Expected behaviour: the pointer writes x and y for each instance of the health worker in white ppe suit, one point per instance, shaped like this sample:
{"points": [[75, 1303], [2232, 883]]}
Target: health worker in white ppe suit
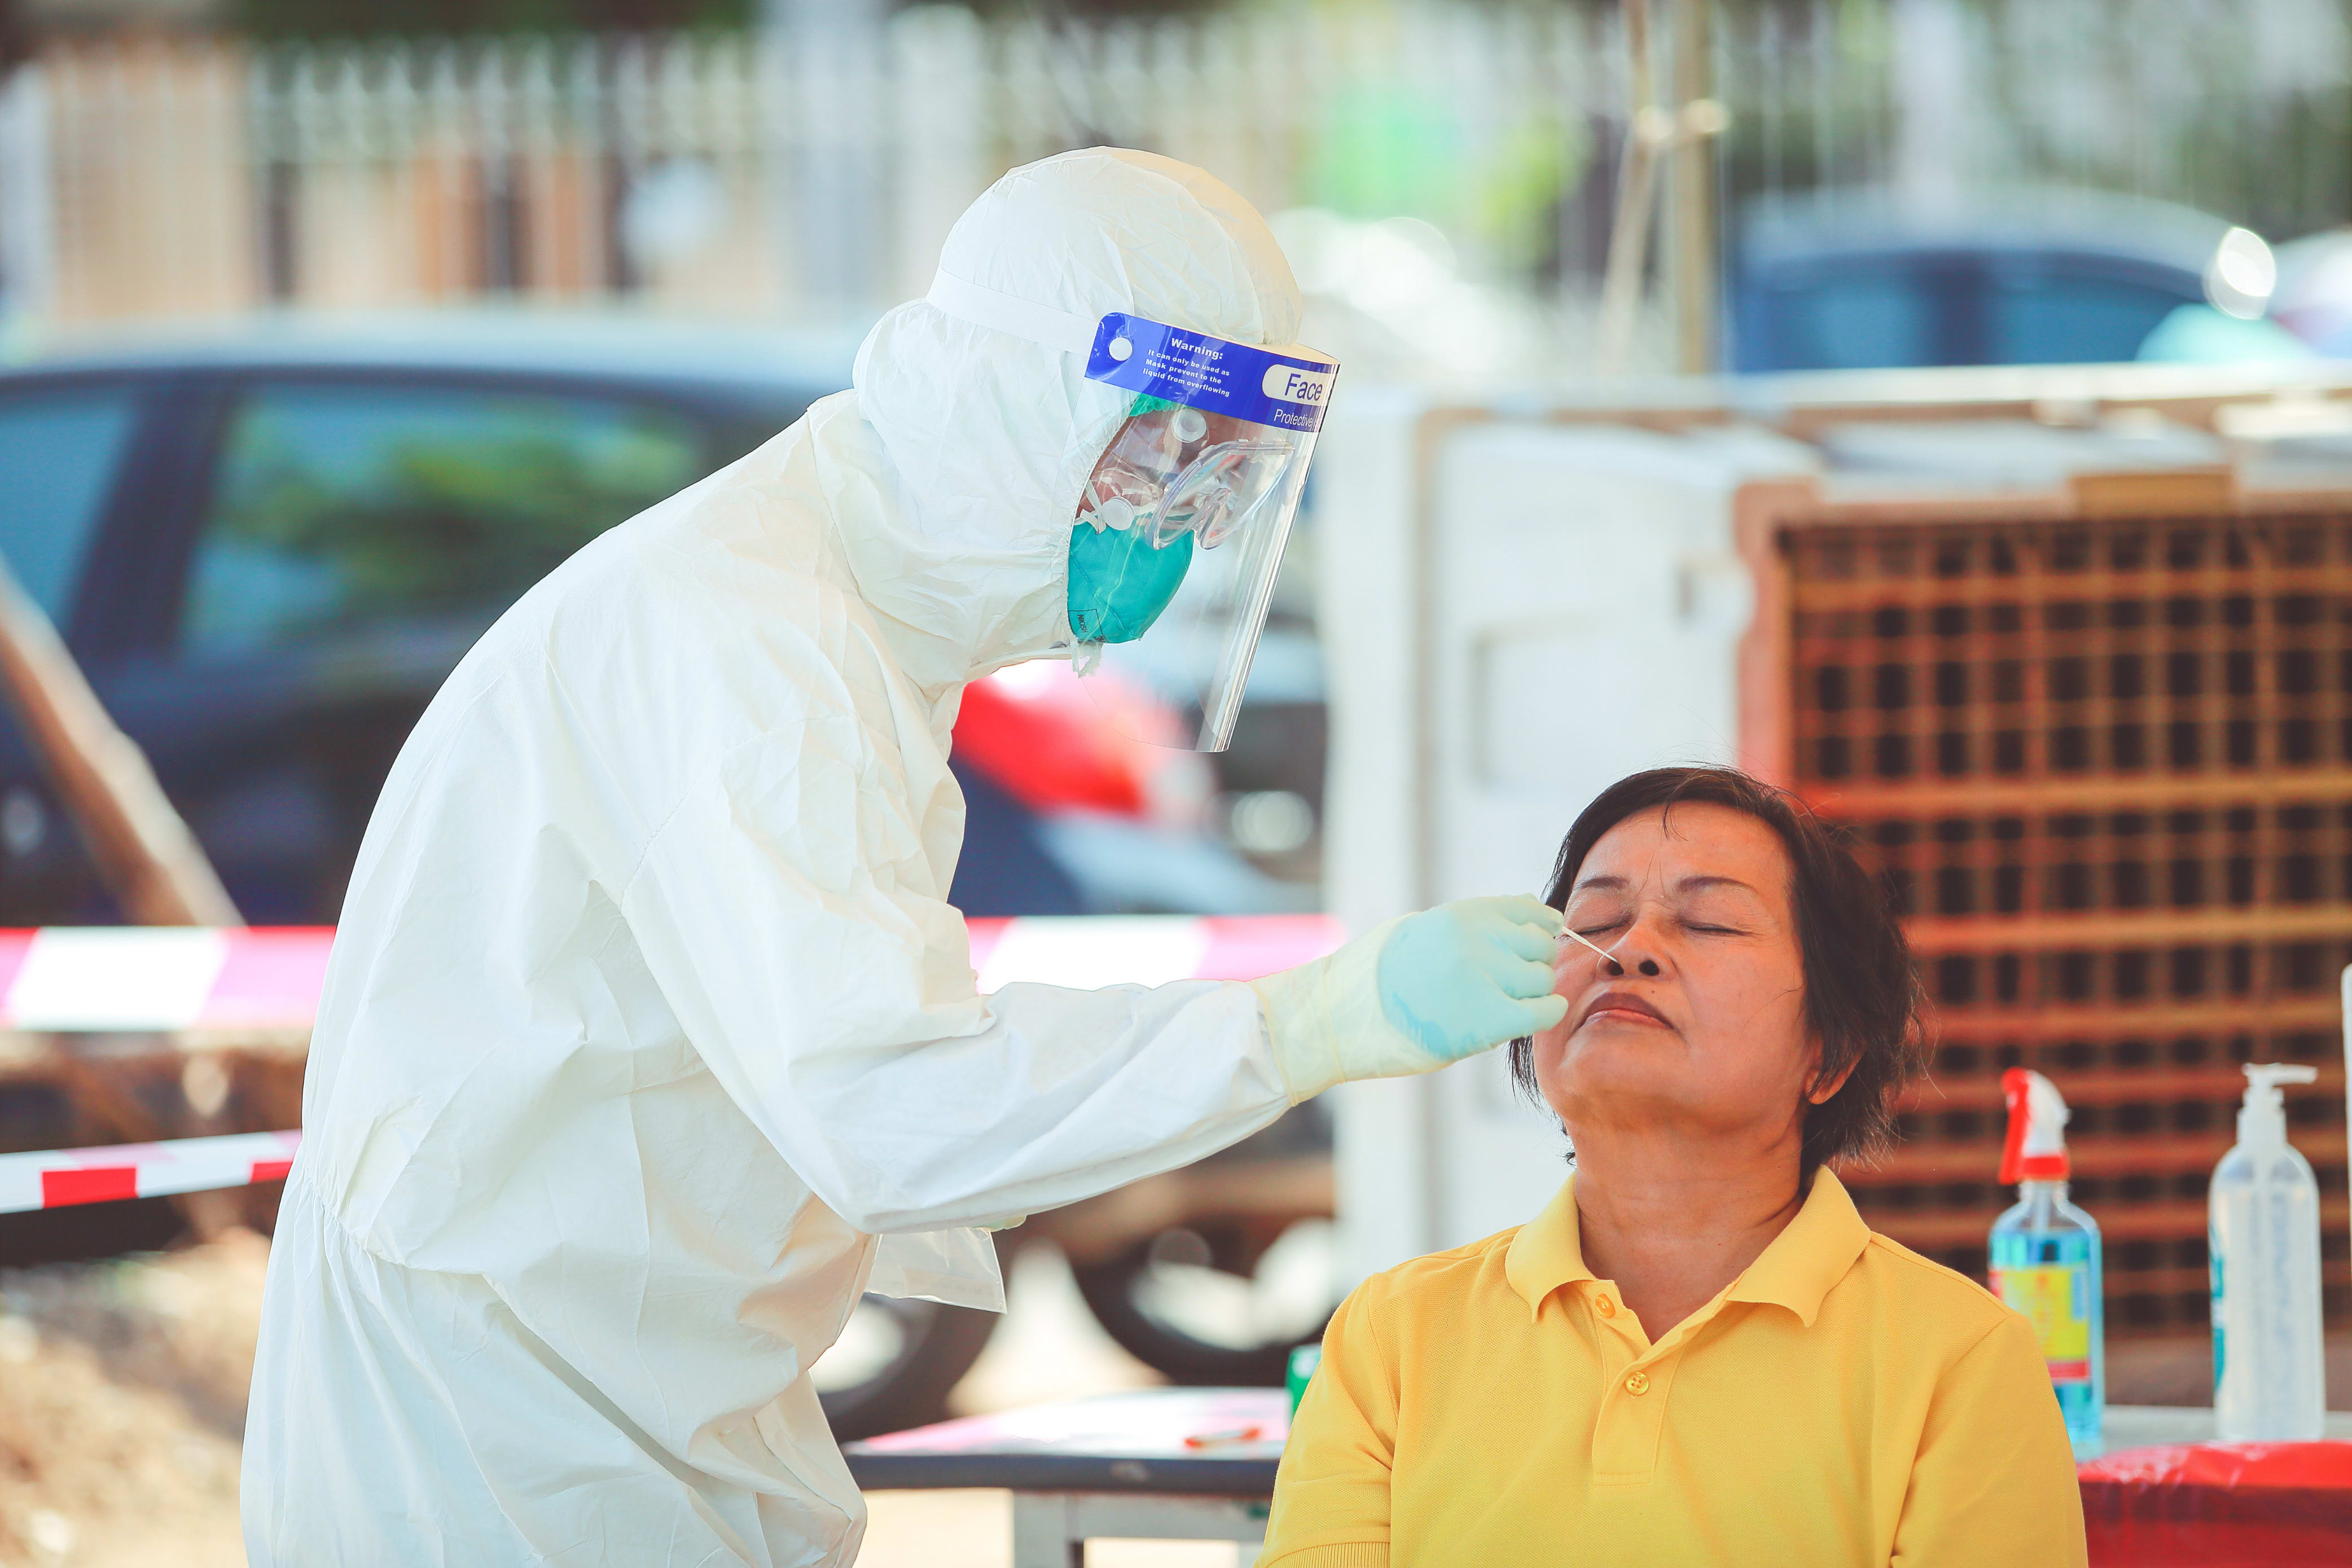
{"points": [[650, 1041]]}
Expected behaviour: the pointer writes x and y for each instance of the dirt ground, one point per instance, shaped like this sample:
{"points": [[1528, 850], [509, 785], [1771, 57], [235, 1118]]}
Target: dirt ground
{"points": [[123, 1391], [121, 1402]]}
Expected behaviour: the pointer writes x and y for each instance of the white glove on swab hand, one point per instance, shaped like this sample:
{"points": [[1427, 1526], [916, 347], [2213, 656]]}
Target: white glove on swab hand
{"points": [[1416, 994]]}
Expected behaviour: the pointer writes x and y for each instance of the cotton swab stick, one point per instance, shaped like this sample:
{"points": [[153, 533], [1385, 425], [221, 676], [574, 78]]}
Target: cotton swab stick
{"points": [[1605, 957]]}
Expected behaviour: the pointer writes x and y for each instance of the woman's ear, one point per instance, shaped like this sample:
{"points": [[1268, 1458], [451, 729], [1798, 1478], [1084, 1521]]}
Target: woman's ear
{"points": [[1819, 1088]]}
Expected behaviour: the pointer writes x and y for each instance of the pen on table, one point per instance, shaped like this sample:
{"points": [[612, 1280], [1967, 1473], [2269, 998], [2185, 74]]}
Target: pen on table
{"points": [[1234, 1435]]}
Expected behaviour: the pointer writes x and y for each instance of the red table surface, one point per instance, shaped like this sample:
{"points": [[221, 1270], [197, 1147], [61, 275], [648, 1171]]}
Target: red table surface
{"points": [[2219, 1505]]}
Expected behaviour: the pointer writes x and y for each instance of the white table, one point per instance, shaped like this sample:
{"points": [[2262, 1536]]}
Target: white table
{"points": [[1195, 1464], [1161, 1464]]}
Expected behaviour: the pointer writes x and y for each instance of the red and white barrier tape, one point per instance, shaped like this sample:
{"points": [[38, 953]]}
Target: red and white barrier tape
{"points": [[58, 1178], [140, 978]]}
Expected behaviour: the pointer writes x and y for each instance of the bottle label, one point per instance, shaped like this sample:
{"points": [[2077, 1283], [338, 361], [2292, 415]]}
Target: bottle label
{"points": [[2056, 1302], [2220, 1310]]}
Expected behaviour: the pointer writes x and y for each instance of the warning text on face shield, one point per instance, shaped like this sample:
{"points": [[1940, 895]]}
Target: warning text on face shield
{"points": [[1211, 373], [1188, 368]]}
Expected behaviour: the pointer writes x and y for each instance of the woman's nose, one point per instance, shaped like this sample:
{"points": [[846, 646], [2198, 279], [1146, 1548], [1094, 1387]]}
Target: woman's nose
{"points": [[1634, 952]]}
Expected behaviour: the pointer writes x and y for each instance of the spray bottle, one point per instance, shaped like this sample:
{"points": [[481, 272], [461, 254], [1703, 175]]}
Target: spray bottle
{"points": [[2045, 1256], [2269, 1377]]}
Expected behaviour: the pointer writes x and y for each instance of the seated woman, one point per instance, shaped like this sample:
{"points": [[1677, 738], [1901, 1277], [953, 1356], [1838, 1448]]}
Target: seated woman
{"points": [[1697, 1352]]}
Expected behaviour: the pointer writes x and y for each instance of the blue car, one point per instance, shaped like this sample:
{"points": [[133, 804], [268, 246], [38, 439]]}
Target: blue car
{"points": [[267, 548], [1858, 280]]}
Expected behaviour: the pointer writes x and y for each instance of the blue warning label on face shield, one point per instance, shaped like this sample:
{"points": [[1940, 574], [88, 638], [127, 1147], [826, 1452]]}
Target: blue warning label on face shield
{"points": [[1213, 375]]}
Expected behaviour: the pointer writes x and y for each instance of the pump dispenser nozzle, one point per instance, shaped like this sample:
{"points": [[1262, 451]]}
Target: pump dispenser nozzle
{"points": [[2261, 1119], [2036, 1146]]}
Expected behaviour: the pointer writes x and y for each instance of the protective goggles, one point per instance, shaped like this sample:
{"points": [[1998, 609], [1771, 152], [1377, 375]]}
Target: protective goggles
{"points": [[1180, 526]]}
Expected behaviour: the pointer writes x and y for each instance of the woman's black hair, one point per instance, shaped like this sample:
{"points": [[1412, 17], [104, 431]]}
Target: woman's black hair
{"points": [[1863, 998]]}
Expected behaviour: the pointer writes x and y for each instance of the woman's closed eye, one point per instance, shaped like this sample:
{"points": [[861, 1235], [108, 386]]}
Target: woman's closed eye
{"points": [[1714, 928], [1717, 908]]}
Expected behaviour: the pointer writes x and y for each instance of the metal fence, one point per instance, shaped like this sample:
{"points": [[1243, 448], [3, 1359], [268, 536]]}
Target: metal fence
{"points": [[2242, 111], [733, 173]]}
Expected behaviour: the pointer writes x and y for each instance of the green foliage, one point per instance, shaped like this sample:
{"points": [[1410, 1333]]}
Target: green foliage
{"points": [[1387, 150], [1515, 196]]}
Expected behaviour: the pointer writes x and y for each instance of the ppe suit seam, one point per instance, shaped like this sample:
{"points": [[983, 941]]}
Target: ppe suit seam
{"points": [[299, 1176], [1286, 1028], [646, 851], [1263, 1006]]}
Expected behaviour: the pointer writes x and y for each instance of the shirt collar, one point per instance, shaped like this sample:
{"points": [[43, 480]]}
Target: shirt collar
{"points": [[1545, 1254], [1811, 1256], [1795, 1272]]}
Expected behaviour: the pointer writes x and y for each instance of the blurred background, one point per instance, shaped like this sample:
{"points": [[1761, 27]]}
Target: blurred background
{"points": [[1446, 173], [327, 327], [310, 238]]}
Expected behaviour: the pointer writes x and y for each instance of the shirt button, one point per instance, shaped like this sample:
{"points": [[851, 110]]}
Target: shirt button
{"points": [[1638, 1383], [1604, 1306]]}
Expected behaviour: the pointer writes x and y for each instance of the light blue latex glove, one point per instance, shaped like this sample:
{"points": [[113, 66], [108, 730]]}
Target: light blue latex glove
{"points": [[1415, 994], [1469, 975]]}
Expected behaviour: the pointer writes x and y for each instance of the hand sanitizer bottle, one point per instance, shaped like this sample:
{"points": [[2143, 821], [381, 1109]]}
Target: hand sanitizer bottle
{"points": [[2045, 1256], [2270, 1380]]}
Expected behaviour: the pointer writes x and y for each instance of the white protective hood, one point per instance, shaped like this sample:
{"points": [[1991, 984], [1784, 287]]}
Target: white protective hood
{"points": [[650, 1039], [989, 436]]}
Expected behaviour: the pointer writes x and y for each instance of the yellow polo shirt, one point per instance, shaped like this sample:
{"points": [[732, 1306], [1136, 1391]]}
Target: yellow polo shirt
{"points": [[1842, 1402]]}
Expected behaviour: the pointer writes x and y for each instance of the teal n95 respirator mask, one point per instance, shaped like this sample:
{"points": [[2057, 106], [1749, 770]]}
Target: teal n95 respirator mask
{"points": [[1178, 531]]}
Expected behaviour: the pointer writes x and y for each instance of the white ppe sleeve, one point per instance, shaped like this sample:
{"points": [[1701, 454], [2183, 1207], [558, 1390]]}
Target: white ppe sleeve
{"points": [[837, 1008]]}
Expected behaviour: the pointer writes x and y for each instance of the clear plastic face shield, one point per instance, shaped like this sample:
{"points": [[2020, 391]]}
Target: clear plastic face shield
{"points": [[1180, 528], [1178, 531]]}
